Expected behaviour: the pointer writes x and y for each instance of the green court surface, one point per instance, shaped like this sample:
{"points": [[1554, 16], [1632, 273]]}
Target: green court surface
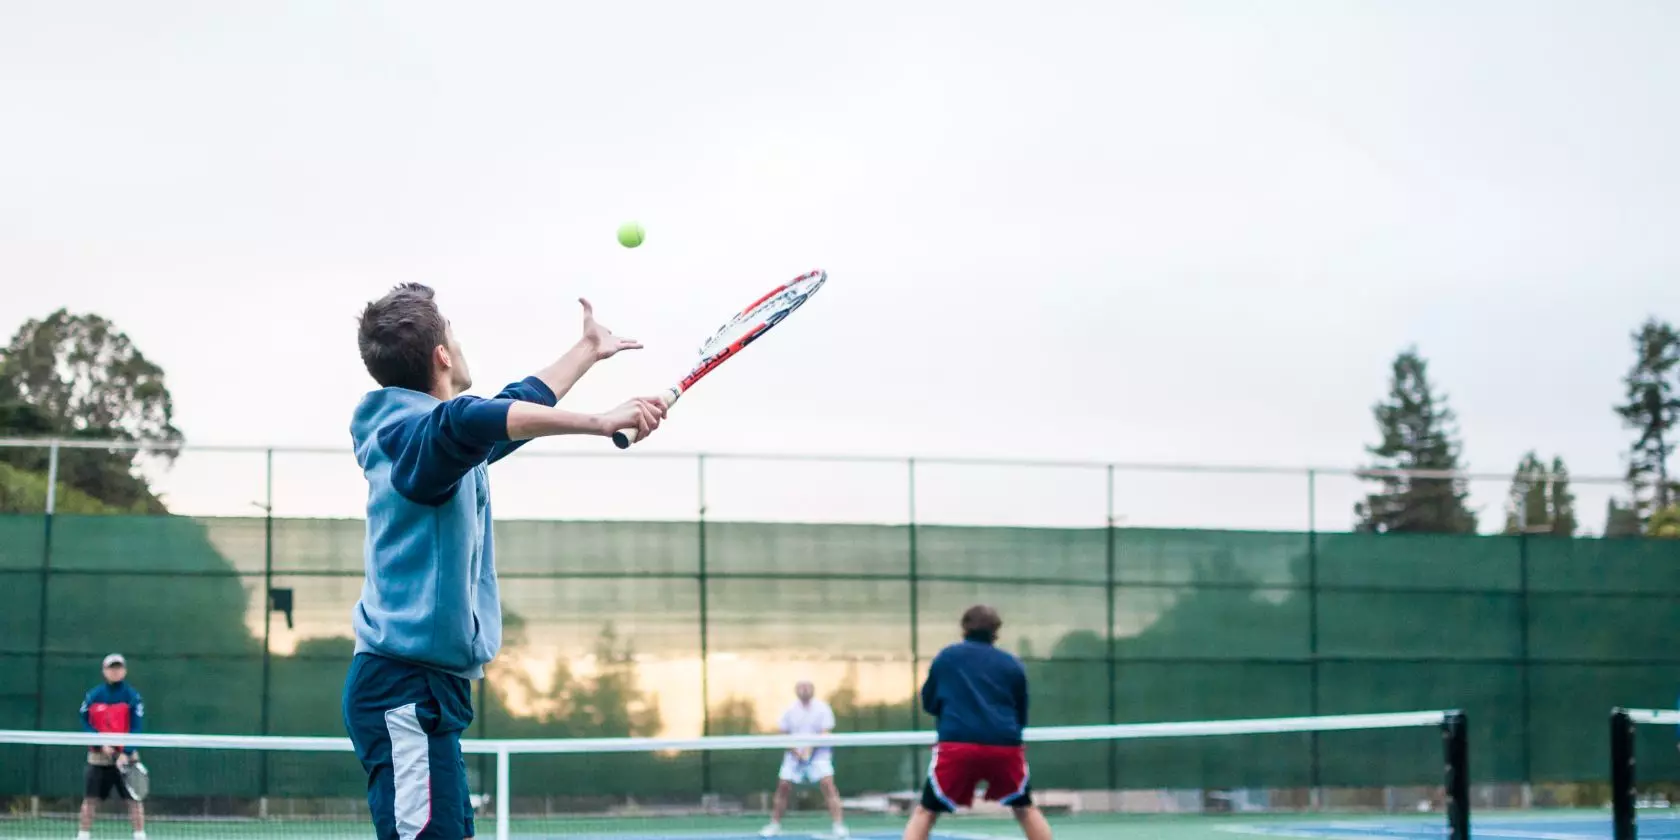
{"points": [[1088, 826]]}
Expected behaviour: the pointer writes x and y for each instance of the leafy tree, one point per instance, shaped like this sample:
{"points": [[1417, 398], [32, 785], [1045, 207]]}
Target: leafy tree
{"points": [[613, 702], [733, 716], [1651, 410], [1540, 499], [853, 714], [610, 703], [1664, 524], [1418, 433], [78, 376]]}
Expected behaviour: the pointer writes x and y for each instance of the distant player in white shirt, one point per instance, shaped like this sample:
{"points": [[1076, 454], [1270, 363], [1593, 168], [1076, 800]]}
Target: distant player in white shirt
{"points": [[806, 765]]}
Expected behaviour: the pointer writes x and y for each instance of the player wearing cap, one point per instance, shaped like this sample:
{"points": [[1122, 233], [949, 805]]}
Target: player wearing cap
{"points": [[806, 765], [111, 706], [979, 696]]}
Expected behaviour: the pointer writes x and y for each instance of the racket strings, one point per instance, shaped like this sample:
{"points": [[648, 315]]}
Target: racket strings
{"points": [[772, 308]]}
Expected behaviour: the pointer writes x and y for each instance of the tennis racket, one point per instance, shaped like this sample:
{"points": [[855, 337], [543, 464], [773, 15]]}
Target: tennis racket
{"points": [[736, 334], [135, 779]]}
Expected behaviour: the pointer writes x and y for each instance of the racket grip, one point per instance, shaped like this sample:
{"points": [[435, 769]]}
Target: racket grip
{"points": [[624, 437]]}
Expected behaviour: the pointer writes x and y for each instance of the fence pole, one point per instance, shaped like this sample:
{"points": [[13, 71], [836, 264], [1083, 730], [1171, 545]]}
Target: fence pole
{"points": [[705, 625], [915, 596], [1316, 792], [41, 615], [915, 610], [1113, 666], [268, 616], [1526, 666]]}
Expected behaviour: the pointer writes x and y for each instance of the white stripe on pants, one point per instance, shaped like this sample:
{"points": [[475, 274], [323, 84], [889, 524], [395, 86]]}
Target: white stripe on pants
{"points": [[411, 771]]}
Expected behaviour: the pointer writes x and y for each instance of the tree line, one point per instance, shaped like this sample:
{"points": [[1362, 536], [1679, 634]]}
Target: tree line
{"points": [[1418, 433], [77, 376]]}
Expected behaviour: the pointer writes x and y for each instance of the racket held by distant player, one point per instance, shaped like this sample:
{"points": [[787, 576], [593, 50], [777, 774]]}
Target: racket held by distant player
{"points": [[736, 334], [136, 781]]}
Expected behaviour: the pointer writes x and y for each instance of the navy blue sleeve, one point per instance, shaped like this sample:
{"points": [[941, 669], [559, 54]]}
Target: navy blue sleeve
{"points": [[137, 711], [430, 453], [136, 715], [930, 689], [531, 390], [1021, 694], [87, 703]]}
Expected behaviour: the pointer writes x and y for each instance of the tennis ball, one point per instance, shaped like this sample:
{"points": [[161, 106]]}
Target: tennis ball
{"points": [[630, 234]]}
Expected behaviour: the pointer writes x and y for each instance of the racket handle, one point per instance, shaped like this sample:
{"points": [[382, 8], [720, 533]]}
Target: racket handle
{"points": [[624, 437]]}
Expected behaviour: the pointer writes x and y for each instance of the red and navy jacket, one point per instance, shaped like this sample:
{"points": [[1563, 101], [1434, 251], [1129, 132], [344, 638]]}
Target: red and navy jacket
{"points": [[113, 707], [978, 693]]}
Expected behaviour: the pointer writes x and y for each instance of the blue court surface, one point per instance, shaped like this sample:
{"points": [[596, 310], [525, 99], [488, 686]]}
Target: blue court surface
{"points": [[1491, 827]]}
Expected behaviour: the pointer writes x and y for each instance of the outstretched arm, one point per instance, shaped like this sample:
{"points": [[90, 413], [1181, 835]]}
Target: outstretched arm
{"points": [[528, 420], [430, 453]]}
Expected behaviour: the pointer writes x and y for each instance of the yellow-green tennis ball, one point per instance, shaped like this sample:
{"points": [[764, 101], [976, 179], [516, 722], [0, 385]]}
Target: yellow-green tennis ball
{"points": [[630, 234]]}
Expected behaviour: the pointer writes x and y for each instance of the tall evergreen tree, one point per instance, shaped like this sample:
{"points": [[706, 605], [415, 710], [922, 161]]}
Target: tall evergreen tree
{"points": [[1621, 521], [1418, 432], [1651, 410], [1540, 500], [1564, 521]]}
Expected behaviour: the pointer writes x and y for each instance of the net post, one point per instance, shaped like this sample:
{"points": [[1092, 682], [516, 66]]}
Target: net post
{"points": [[1455, 738], [1623, 783], [504, 795]]}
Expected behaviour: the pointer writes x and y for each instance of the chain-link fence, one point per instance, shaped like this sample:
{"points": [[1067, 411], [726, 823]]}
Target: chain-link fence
{"points": [[686, 595]]}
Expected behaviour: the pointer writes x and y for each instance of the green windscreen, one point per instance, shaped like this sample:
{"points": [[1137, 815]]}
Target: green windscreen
{"points": [[684, 628]]}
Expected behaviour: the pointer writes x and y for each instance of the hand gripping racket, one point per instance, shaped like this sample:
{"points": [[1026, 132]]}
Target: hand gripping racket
{"points": [[741, 330]]}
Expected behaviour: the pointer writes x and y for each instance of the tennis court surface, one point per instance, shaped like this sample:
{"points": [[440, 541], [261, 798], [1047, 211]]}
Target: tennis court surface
{"points": [[209, 786], [1562, 825]]}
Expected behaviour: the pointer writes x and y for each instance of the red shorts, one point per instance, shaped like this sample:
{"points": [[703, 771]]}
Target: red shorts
{"points": [[957, 769]]}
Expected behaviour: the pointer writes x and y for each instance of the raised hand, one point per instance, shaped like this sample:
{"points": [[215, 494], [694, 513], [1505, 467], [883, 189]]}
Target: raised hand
{"points": [[601, 340]]}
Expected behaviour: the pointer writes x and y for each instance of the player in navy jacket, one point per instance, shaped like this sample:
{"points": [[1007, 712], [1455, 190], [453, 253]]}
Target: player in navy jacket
{"points": [[112, 706], [979, 696], [430, 615]]}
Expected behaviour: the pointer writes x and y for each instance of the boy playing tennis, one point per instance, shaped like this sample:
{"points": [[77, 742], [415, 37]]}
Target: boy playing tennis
{"points": [[430, 615], [979, 695]]}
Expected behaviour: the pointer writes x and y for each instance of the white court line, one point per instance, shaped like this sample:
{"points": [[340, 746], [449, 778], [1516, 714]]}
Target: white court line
{"points": [[1367, 831], [1518, 834], [1390, 831]]}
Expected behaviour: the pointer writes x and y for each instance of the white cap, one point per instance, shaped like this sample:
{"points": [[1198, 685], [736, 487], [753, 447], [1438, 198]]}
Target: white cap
{"points": [[115, 659]]}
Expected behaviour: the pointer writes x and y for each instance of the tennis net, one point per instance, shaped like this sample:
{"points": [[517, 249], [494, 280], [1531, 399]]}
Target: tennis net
{"points": [[1103, 781]]}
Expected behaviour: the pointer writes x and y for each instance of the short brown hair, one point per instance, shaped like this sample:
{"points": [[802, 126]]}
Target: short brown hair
{"points": [[397, 334], [982, 623]]}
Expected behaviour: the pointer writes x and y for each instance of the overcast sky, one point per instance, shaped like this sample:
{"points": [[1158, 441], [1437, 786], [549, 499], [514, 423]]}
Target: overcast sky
{"points": [[1183, 232]]}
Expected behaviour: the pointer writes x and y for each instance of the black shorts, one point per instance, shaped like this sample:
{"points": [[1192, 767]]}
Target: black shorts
{"points": [[101, 780]]}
